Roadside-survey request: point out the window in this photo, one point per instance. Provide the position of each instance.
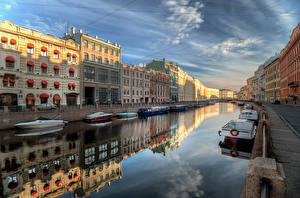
(105, 50)
(114, 78)
(93, 46)
(102, 147)
(103, 95)
(101, 178)
(56, 72)
(89, 73)
(43, 53)
(93, 57)
(103, 155)
(29, 69)
(141, 92)
(114, 151)
(74, 59)
(141, 75)
(10, 62)
(56, 56)
(114, 144)
(114, 95)
(99, 59)
(86, 56)
(86, 44)
(106, 61)
(69, 58)
(102, 75)
(117, 53)
(111, 52)
(30, 50)
(44, 70)
(133, 93)
(111, 61)
(100, 48)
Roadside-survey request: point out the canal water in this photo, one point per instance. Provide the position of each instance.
(173, 155)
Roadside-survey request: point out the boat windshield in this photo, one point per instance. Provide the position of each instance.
(247, 126)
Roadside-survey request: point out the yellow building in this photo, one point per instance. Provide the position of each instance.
(212, 93)
(199, 90)
(37, 68)
(272, 90)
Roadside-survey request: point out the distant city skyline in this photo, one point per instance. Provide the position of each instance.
(220, 43)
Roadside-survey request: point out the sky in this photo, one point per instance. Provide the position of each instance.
(219, 42)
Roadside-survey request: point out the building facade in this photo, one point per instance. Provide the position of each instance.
(171, 69)
(101, 67)
(243, 94)
(159, 87)
(249, 88)
(290, 70)
(226, 94)
(212, 93)
(37, 68)
(272, 71)
(258, 84)
(135, 84)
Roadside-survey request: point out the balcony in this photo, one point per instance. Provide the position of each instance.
(294, 84)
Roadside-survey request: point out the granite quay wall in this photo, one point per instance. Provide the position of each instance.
(76, 113)
(264, 169)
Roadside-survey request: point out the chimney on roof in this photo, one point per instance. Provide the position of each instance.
(66, 34)
(80, 31)
(107, 41)
(73, 29)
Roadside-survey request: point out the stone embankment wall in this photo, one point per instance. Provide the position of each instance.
(8, 119)
(264, 168)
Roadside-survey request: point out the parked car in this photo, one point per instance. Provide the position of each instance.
(46, 106)
(276, 102)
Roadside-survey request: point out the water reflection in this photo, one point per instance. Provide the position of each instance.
(85, 158)
(236, 147)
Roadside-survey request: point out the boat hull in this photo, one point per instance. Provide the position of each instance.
(98, 118)
(127, 115)
(40, 124)
(241, 134)
(151, 113)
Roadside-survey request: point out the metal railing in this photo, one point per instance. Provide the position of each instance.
(265, 184)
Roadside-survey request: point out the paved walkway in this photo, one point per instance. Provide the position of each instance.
(286, 145)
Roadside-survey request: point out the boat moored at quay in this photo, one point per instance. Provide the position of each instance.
(40, 123)
(98, 116)
(240, 128)
(178, 108)
(153, 111)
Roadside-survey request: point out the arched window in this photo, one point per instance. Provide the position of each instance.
(56, 99)
(30, 99)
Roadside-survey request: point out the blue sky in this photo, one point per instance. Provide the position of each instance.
(219, 42)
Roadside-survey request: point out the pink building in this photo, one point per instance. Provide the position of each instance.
(135, 84)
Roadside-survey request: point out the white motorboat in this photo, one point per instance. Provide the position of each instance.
(40, 123)
(99, 116)
(249, 114)
(38, 132)
(127, 114)
(248, 106)
(241, 128)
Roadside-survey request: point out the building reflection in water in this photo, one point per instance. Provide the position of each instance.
(84, 158)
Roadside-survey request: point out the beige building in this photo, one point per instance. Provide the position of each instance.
(272, 70)
(135, 84)
(226, 94)
(250, 88)
(199, 90)
(36, 68)
(100, 68)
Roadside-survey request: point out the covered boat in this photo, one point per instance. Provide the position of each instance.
(153, 111)
(40, 123)
(198, 105)
(240, 104)
(243, 129)
(126, 114)
(98, 116)
(178, 108)
(249, 114)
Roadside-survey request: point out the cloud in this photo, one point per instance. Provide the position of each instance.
(45, 25)
(185, 181)
(233, 46)
(184, 17)
(7, 6)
